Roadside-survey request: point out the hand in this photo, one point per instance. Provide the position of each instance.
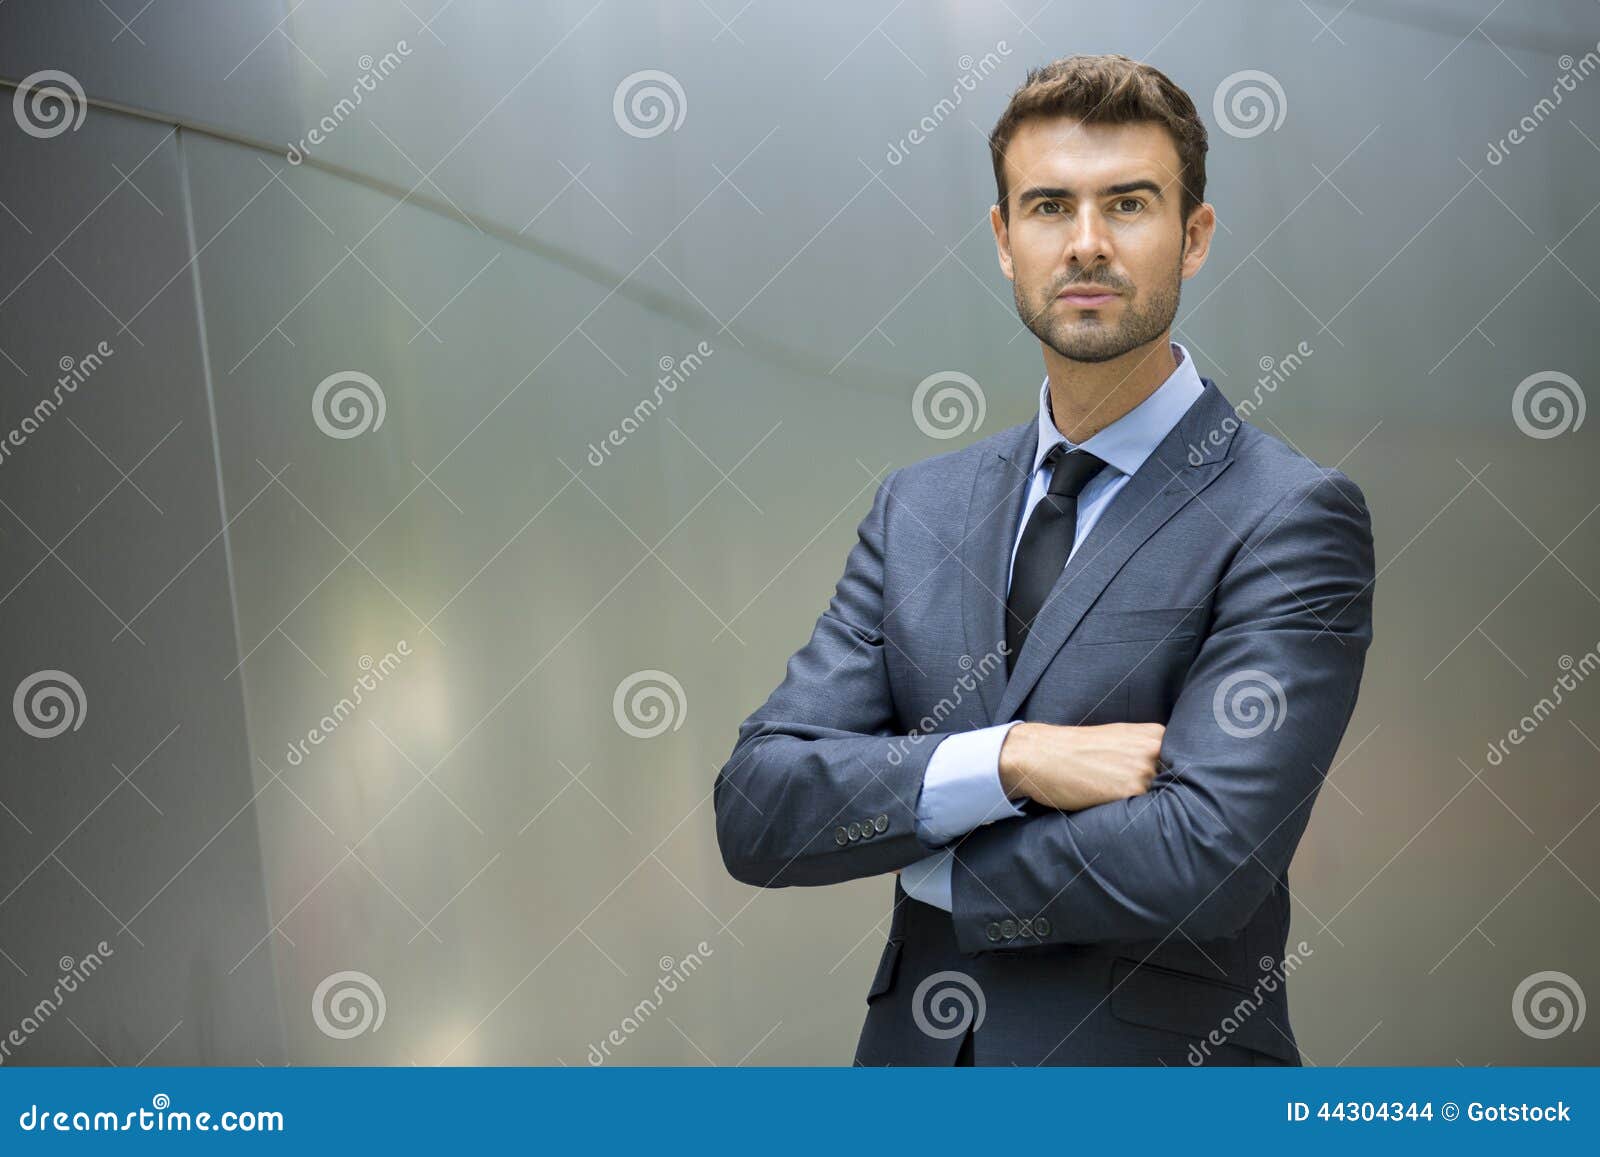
(1071, 768)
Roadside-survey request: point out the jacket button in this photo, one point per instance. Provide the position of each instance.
(1008, 928)
(881, 823)
(840, 836)
(1025, 929)
(866, 830)
(855, 831)
(992, 931)
(1041, 926)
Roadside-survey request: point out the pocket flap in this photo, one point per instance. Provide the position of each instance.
(1196, 1006)
(1150, 625)
(883, 979)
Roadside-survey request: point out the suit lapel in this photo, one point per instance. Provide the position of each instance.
(1164, 485)
(994, 508)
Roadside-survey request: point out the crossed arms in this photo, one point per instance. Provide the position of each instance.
(822, 787)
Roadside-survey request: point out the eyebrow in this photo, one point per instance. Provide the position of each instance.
(1046, 193)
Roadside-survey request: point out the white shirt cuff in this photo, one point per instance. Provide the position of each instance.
(961, 786)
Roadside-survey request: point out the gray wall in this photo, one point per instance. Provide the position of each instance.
(483, 837)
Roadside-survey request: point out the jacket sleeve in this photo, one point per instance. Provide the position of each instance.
(1253, 732)
(820, 788)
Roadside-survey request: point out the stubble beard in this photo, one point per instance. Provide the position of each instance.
(1087, 337)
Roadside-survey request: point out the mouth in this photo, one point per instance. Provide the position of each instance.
(1085, 298)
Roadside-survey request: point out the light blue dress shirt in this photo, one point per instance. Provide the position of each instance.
(961, 786)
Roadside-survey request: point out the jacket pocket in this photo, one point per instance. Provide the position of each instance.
(1196, 1006)
(1152, 625)
(883, 979)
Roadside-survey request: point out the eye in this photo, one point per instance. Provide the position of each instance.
(1130, 204)
(1050, 208)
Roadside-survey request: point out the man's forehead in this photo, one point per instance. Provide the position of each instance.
(1060, 146)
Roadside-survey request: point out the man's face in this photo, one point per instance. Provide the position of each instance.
(1095, 242)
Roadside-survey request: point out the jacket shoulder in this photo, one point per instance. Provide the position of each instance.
(1274, 469)
(956, 467)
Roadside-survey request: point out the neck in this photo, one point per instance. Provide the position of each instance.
(1086, 397)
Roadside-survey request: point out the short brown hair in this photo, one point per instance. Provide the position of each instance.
(1107, 90)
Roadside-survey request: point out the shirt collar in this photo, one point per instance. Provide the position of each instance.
(1132, 438)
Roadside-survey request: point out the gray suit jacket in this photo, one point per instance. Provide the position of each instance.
(1226, 592)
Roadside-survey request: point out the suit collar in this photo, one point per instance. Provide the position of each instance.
(1133, 437)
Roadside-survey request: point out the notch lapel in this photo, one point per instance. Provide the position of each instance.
(999, 489)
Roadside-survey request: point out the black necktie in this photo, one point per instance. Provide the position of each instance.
(1046, 543)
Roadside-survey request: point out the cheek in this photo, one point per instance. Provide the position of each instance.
(1031, 268)
(1152, 270)
(1031, 247)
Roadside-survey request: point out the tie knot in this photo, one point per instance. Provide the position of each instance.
(1070, 472)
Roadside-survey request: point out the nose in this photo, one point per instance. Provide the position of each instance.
(1089, 241)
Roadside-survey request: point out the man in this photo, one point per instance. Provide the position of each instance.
(1080, 682)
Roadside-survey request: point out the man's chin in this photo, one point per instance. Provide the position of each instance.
(1078, 347)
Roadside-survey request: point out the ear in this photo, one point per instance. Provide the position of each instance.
(1002, 241)
(1197, 234)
